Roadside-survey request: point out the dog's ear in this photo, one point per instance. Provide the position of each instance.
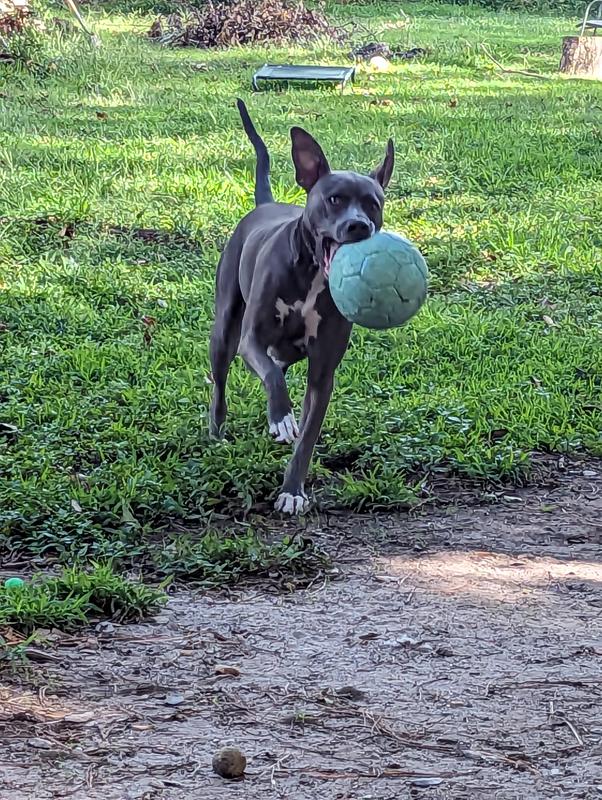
(308, 158)
(382, 174)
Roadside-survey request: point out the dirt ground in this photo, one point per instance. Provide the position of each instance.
(456, 654)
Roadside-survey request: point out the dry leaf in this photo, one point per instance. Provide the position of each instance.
(383, 102)
(224, 669)
(80, 716)
(102, 115)
(76, 506)
(549, 321)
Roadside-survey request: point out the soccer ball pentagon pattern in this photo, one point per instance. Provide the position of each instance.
(379, 282)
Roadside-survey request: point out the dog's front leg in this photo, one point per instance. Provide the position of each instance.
(281, 420)
(292, 498)
(324, 357)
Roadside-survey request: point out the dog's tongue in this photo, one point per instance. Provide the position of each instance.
(329, 255)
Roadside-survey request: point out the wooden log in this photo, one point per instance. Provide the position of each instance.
(582, 56)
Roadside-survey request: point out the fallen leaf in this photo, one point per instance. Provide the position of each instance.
(8, 430)
(351, 693)
(76, 506)
(225, 669)
(67, 231)
(549, 321)
(102, 115)
(81, 716)
(40, 744)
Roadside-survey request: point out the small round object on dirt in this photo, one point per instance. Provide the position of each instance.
(14, 583)
(229, 763)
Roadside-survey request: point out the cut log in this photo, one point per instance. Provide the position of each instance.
(582, 56)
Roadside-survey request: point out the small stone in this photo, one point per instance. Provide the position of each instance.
(174, 699)
(229, 763)
(105, 627)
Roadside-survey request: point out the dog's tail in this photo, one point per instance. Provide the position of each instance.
(263, 190)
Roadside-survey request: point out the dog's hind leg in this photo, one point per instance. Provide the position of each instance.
(225, 337)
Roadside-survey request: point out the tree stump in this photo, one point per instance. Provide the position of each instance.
(582, 56)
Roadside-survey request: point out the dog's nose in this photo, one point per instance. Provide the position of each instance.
(358, 229)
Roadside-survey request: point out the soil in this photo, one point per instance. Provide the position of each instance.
(451, 654)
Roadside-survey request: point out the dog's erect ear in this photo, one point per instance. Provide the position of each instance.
(308, 158)
(382, 174)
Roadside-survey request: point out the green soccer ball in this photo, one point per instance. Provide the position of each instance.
(379, 282)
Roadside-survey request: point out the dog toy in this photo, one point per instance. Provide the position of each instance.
(380, 282)
(14, 583)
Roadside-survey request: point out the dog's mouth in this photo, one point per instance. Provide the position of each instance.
(329, 248)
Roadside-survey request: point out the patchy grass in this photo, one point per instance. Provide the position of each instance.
(103, 331)
(76, 597)
(216, 559)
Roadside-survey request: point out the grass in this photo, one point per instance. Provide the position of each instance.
(76, 597)
(103, 333)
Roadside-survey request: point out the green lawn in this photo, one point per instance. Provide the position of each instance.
(498, 179)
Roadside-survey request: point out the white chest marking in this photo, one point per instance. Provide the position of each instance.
(306, 307)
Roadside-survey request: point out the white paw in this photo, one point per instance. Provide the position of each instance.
(286, 430)
(292, 503)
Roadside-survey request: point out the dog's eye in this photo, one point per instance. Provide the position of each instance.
(334, 199)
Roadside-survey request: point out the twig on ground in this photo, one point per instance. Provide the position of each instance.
(578, 683)
(527, 73)
(333, 775)
(564, 720)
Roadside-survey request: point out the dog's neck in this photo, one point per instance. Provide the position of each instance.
(306, 247)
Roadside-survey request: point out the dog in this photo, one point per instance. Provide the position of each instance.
(272, 302)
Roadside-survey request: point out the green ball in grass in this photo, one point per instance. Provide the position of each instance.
(380, 282)
(14, 583)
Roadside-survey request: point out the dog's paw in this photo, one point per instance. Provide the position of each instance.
(286, 430)
(292, 503)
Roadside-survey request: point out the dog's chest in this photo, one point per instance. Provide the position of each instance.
(298, 321)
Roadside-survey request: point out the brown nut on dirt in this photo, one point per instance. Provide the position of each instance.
(229, 763)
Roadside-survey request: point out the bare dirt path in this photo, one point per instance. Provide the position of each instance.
(457, 654)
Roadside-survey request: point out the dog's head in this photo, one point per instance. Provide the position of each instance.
(341, 206)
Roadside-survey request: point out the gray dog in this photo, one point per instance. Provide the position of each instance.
(272, 303)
